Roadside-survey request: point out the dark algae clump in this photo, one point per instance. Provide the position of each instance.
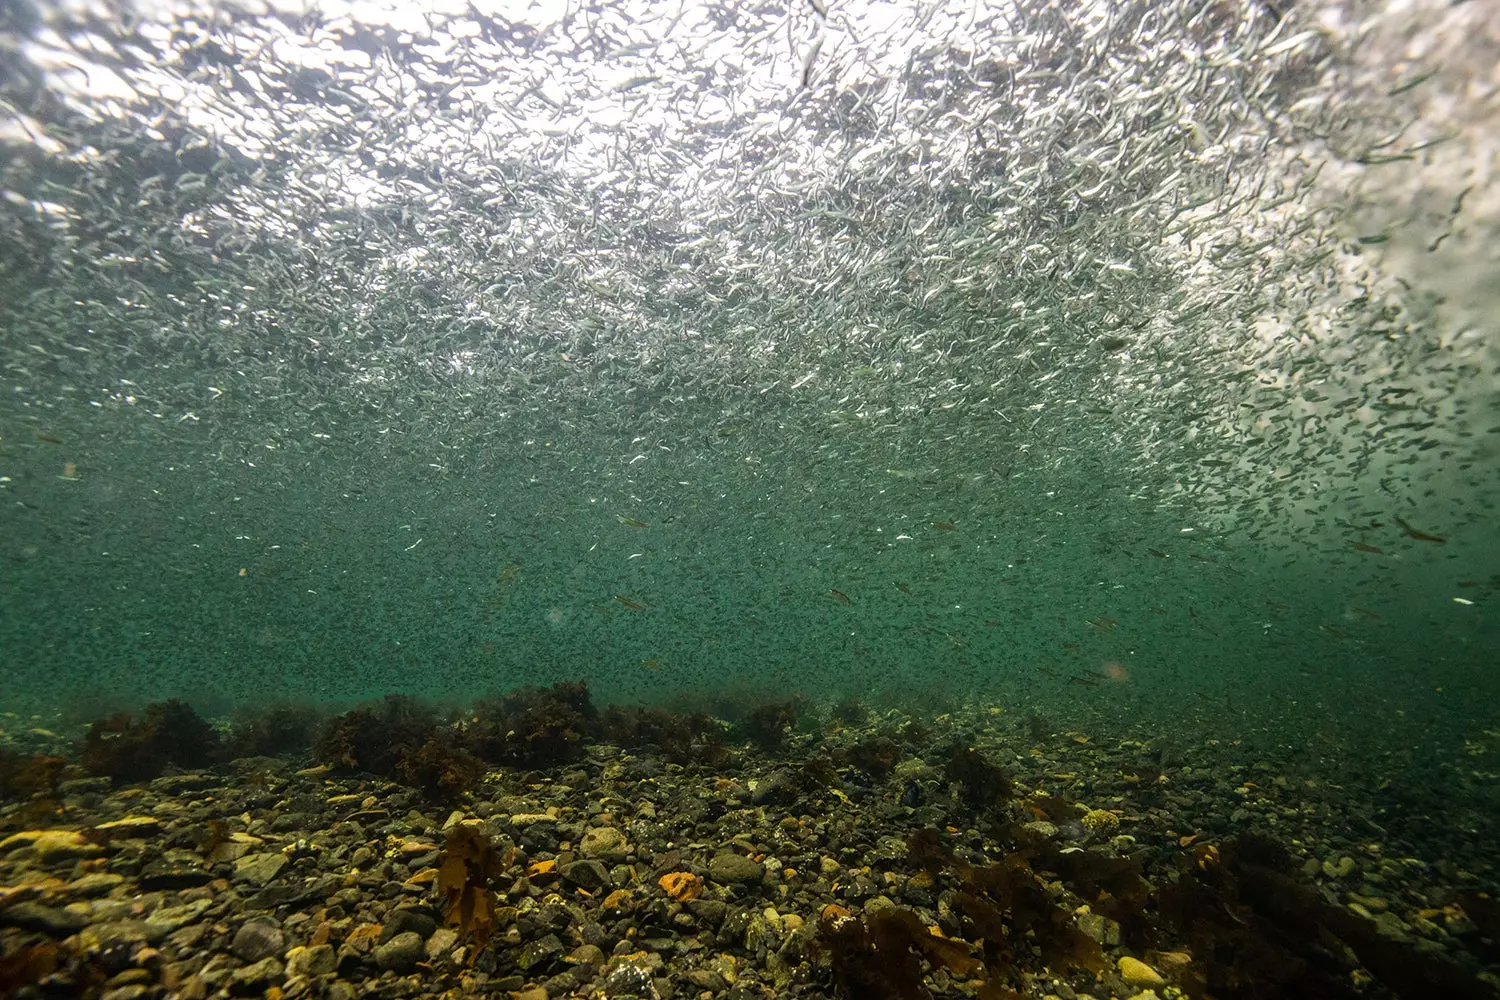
(129, 747)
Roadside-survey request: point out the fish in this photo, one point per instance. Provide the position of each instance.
(631, 605)
(1102, 624)
(1363, 547)
(629, 522)
(840, 596)
(1159, 555)
(1420, 536)
(945, 525)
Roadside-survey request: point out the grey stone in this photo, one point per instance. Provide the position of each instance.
(441, 942)
(539, 953)
(167, 919)
(109, 934)
(586, 954)
(780, 787)
(589, 875)
(257, 940)
(134, 991)
(710, 911)
(1100, 928)
(604, 842)
(628, 980)
(401, 953)
(33, 916)
(317, 960)
(94, 884)
(256, 977)
(405, 919)
(282, 894)
(258, 869)
(735, 868)
(175, 869)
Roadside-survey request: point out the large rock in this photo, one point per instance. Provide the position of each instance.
(727, 868)
(407, 919)
(604, 842)
(316, 960)
(256, 940)
(258, 869)
(401, 953)
(256, 977)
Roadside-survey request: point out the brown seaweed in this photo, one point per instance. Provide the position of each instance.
(880, 956)
(466, 868)
(126, 748)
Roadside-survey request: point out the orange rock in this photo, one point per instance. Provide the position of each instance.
(363, 931)
(833, 914)
(620, 900)
(681, 886)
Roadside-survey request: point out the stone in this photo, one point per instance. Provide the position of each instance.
(131, 826)
(590, 875)
(726, 868)
(258, 869)
(404, 919)
(34, 916)
(780, 787)
(1100, 928)
(1138, 973)
(177, 868)
(316, 960)
(401, 953)
(94, 884)
(539, 953)
(52, 845)
(167, 919)
(256, 977)
(282, 894)
(133, 991)
(586, 954)
(109, 934)
(256, 940)
(1341, 868)
(604, 842)
(442, 941)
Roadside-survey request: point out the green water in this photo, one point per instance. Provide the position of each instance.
(793, 397)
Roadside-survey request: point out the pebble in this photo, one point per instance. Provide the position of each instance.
(34, 916)
(52, 845)
(94, 884)
(404, 919)
(401, 953)
(130, 826)
(604, 842)
(1138, 973)
(590, 875)
(315, 960)
(257, 940)
(1341, 868)
(732, 868)
(258, 869)
(257, 976)
(442, 941)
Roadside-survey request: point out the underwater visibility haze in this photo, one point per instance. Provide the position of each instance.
(677, 500)
(1140, 356)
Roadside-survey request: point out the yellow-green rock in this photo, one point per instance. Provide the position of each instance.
(1138, 973)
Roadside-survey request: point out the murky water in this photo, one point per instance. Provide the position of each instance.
(1129, 357)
